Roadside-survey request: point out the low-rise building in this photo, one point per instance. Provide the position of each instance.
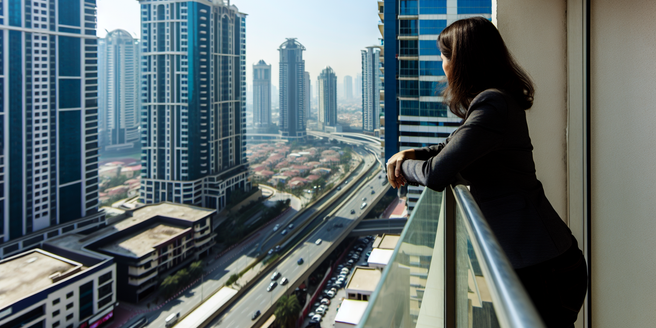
(350, 313)
(57, 288)
(362, 283)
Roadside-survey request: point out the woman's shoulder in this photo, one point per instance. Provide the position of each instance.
(491, 96)
(491, 102)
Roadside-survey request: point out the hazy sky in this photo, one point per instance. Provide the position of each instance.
(333, 32)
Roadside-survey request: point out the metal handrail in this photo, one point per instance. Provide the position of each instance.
(512, 304)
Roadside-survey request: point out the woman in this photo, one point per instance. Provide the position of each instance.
(492, 151)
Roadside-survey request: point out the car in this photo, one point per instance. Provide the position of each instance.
(171, 319)
(314, 323)
(365, 263)
(340, 279)
(360, 249)
(354, 257)
(363, 205)
(277, 248)
(350, 262)
(316, 317)
(338, 225)
(276, 227)
(320, 310)
(284, 281)
(300, 261)
(316, 305)
(339, 188)
(352, 211)
(338, 285)
(325, 301)
(380, 176)
(331, 294)
(272, 285)
(333, 279)
(284, 232)
(345, 271)
(318, 242)
(311, 314)
(270, 252)
(255, 315)
(290, 226)
(329, 284)
(339, 267)
(346, 182)
(275, 275)
(334, 290)
(348, 265)
(364, 198)
(373, 192)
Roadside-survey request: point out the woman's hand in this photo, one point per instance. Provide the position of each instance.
(394, 172)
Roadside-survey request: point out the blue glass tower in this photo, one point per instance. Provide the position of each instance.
(415, 115)
(193, 93)
(48, 116)
(292, 90)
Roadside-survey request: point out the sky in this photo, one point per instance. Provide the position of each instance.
(333, 32)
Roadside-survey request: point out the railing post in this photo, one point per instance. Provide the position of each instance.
(450, 258)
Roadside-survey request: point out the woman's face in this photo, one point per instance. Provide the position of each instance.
(446, 66)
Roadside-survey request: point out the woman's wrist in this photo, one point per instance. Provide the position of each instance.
(409, 154)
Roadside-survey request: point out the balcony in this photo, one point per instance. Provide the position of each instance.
(449, 271)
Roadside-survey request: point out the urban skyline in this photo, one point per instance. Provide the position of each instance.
(292, 90)
(327, 83)
(262, 95)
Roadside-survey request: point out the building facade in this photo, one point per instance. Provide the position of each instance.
(193, 103)
(118, 92)
(371, 86)
(48, 115)
(327, 83)
(57, 288)
(348, 87)
(307, 96)
(292, 90)
(261, 95)
(415, 115)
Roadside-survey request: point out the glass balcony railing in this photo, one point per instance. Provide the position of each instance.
(448, 270)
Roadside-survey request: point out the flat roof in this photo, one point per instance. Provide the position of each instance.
(380, 256)
(389, 241)
(197, 317)
(175, 211)
(29, 272)
(140, 244)
(351, 311)
(364, 279)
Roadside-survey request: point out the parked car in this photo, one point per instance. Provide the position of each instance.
(339, 188)
(284, 281)
(350, 262)
(270, 251)
(284, 232)
(300, 261)
(311, 314)
(325, 301)
(331, 294)
(363, 205)
(373, 192)
(316, 317)
(352, 211)
(345, 271)
(318, 242)
(276, 227)
(360, 249)
(365, 263)
(277, 248)
(334, 290)
(255, 315)
(364, 198)
(320, 310)
(272, 285)
(338, 225)
(290, 226)
(275, 275)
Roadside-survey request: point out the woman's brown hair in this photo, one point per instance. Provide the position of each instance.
(480, 60)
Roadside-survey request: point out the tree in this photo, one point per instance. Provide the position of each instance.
(169, 285)
(287, 311)
(196, 269)
(183, 277)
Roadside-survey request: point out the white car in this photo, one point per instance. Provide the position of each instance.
(345, 271)
(320, 310)
(317, 317)
(318, 242)
(331, 294)
(363, 205)
(276, 227)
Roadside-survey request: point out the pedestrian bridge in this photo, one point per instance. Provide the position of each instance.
(374, 227)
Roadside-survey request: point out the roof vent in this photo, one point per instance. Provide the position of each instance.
(55, 276)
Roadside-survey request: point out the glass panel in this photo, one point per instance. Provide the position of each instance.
(410, 292)
(474, 306)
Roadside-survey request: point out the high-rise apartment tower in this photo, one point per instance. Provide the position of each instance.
(371, 89)
(327, 83)
(261, 95)
(307, 96)
(348, 87)
(292, 89)
(415, 115)
(118, 94)
(193, 117)
(48, 117)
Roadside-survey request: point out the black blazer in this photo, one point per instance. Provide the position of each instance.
(492, 151)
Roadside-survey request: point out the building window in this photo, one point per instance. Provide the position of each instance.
(56, 324)
(55, 313)
(69, 295)
(86, 300)
(104, 278)
(55, 302)
(69, 316)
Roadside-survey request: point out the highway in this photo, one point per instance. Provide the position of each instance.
(257, 298)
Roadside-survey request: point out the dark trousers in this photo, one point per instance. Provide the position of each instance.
(557, 287)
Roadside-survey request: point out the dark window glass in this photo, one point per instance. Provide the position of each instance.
(408, 7)
(429, 48)
(104, 278)
(408, 48)
(431, 68)
(55, 302)
(431, 88)
(427, 7)
(474, 7)
(86, 300)
(430, 26)
(409, 89)
(408, 68)
(407, 27)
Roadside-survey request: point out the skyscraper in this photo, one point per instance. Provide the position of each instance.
(118, 96)
(193, 107)
(358, 85)
(371, 89)
(415, 115)
(48, 116)
(327, 82)
(348, 87)
(307, 100)
(261, 95)
(292, 89)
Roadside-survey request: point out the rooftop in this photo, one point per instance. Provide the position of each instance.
(351, 311)
(389, 241)
(364, 279)
(30, 272)
(141, 244)
(176, 211)
(380, 256)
